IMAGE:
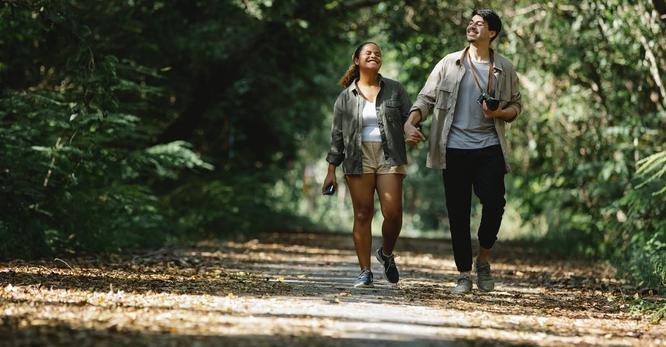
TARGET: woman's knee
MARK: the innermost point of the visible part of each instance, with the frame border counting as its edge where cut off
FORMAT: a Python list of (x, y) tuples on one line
[(364, 214), (392, 214)]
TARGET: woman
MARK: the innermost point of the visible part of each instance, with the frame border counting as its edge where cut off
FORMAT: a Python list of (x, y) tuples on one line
[(367, 138)]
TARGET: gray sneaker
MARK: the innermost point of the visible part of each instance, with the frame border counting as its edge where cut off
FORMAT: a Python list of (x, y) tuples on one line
[(463, 285), (484, 280), (390, 269), (364, 279)]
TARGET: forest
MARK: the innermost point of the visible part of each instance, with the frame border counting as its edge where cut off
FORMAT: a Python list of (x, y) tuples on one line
[(142, 123)]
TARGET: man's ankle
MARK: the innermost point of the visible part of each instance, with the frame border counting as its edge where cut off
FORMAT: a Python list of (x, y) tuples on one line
[(484, 255)]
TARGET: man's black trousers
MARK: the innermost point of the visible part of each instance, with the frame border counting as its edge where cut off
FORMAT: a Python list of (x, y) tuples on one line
[(482, 170)]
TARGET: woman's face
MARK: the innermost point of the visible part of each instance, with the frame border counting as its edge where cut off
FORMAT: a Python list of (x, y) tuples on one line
[(369, 58)]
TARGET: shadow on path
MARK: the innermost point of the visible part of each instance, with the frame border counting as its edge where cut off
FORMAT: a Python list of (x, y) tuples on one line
[(294, 289)]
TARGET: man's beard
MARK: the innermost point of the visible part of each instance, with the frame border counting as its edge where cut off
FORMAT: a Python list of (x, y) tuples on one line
[(471, 39)]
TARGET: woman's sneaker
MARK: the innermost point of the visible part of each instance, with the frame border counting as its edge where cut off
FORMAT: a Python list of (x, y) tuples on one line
[(364, 279), (390, 269), (484, 280), (463, 285)]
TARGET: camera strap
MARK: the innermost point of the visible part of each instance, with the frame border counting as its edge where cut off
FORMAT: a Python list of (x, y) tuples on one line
[(489, 88)]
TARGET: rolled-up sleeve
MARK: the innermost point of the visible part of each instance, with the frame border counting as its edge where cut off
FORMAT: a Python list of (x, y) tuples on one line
[(337, 152), (425, 101)]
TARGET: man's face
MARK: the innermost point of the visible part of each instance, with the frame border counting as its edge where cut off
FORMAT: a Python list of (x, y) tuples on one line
[(477, 30)]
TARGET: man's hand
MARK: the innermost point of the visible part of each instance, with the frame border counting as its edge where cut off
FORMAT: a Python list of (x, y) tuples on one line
[(488, 114), (506, 114), (412, 134)]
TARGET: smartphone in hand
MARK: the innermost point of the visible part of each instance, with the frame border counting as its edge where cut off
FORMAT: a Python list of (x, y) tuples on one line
[(330, 189)]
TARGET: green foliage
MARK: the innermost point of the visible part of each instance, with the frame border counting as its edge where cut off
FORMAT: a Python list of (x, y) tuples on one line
[(653, 170), (656, 310), (642, 244), (126, 124), (587, 125), (229, 206), (77, 156), (108, 110), (593, 109)]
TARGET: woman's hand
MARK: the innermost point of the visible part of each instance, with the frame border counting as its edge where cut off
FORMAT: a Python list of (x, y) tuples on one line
[(330, 179), (412, 134)]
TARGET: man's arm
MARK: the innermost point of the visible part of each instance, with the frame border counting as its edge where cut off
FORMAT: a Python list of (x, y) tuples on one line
[(516, 99), (425, 101), (512, 108), (423, 105), (507, 114)]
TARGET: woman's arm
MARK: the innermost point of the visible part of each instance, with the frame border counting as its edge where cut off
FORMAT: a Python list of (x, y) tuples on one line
[(336, 153)]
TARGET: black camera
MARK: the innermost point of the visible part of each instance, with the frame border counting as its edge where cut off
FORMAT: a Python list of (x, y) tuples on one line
[(491, 103)]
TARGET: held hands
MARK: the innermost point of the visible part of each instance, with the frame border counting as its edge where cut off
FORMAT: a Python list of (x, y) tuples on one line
[(413, 135)]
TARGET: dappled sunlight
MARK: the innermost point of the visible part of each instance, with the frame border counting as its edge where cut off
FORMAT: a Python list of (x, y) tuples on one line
[(345, 316), (229, 293), (166, 169)]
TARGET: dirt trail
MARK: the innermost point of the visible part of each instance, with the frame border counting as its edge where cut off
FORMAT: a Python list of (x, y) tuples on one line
[(292, 289)]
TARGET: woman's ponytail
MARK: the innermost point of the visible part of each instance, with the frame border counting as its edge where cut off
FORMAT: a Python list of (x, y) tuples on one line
[(349, 76)]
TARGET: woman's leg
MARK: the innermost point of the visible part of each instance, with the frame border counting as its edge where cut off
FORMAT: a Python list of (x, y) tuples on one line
[(389, 188), (362, 189)]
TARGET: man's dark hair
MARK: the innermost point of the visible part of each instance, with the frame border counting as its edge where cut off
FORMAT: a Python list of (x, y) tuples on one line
[(493, 20)]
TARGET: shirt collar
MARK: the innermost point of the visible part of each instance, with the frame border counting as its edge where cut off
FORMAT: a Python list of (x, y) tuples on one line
[(497, 65), (352, 86)]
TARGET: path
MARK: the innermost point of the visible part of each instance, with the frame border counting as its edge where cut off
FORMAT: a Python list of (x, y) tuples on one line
[(292, 289)]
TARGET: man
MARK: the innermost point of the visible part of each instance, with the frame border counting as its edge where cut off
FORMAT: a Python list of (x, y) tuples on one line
[(472, 94)]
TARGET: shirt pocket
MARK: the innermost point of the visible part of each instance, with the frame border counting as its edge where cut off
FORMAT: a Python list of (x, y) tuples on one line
[(392, 107), (444, 95)]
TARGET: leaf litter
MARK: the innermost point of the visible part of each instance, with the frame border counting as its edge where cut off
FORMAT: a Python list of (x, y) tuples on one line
[(294, 289)]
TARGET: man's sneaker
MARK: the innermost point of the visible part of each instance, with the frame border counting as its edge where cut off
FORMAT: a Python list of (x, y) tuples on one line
[(364, 279), (463, 285), (484, 280), (390, 270)]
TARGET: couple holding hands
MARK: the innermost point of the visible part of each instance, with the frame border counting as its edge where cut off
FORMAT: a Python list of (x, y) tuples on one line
[(471, 94)]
